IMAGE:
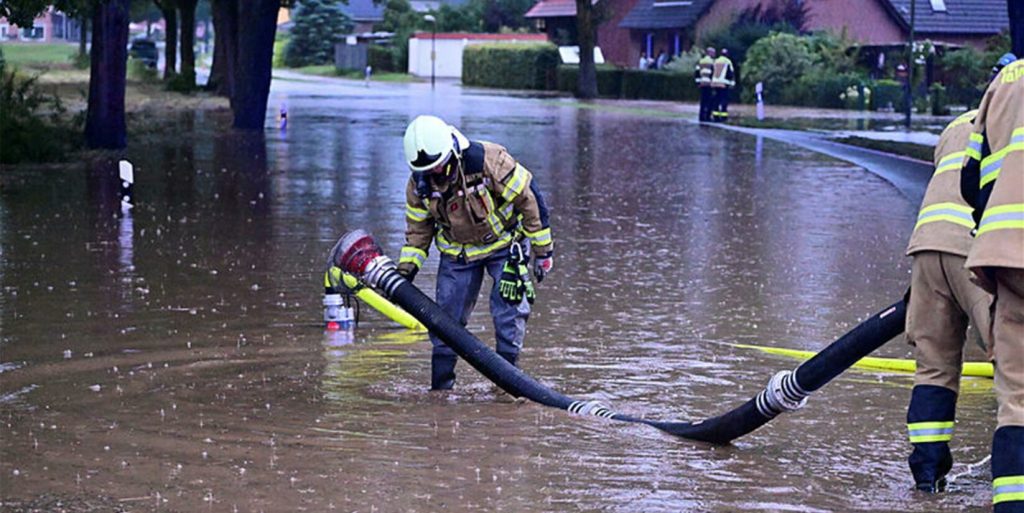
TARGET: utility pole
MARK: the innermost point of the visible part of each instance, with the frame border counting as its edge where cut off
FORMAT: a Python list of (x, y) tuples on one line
[(910, 66)]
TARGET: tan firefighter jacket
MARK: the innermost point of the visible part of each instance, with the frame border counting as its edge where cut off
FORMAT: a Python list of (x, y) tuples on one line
[(945, 222), (995, 166), (483, 210)]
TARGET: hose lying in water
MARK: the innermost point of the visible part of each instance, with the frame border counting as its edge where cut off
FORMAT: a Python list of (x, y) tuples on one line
[(357, 253)]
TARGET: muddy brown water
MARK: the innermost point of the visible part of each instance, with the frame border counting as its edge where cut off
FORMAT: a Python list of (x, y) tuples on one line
[(171, 360)]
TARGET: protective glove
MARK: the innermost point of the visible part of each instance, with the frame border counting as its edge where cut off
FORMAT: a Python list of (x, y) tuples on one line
[(510, 286), (542, 265), (408, 273), (525, 285)]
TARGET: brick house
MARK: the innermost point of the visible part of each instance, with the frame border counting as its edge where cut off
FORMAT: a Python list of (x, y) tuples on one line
[(52, 26), (635, 26)]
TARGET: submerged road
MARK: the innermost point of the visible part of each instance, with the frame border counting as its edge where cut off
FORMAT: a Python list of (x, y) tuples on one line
[(171, 360)]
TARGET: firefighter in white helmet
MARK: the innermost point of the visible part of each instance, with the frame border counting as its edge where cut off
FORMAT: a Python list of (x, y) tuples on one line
[(479, 207)]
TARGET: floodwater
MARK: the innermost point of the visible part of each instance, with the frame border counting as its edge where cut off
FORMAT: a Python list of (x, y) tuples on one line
[(172, 360)]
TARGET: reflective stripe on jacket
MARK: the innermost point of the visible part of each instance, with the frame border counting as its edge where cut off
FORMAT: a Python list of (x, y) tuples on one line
[(944, 222)]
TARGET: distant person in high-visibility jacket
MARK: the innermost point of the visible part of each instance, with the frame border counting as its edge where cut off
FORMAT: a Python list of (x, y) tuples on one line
[(722, 81), (702, 75), (992, 181)]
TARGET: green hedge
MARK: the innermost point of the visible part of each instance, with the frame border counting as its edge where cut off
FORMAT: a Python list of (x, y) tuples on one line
[(659, 85), (634, 84), (510, 65), (609, 79)]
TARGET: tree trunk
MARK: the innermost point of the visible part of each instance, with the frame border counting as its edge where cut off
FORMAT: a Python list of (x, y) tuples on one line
[(1015, 8), (257, 23), (225, 45), (83, 35), (170, 39), (104, 121), (188, 40), (586, 33)]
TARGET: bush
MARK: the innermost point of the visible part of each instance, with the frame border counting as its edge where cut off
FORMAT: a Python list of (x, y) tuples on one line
[(938, 99), (138, 70), (32, 125), (965, 74), (778, 61), (609, 79), (888, 93), (827, 90), (510, 65), (379, 58)]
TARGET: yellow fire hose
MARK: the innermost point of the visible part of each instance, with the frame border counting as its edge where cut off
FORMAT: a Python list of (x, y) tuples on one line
[(972, 369), (378, 302)]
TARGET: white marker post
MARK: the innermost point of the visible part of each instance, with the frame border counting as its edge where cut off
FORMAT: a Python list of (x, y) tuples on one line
[(759, 89), (127, 173)]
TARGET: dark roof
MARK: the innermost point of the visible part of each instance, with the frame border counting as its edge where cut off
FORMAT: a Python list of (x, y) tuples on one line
[(960, 16), (363, 10), (665, 14), (552, 9)]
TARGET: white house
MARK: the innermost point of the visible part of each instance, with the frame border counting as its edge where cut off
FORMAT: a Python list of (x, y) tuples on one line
[(449, 46)]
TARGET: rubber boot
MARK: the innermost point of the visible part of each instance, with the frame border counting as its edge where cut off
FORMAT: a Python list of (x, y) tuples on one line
[(442, 372), (930, 426), (1008, 470)]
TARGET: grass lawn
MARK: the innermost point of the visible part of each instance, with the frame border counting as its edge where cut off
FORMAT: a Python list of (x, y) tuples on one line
[(34, 54), (914, 151)]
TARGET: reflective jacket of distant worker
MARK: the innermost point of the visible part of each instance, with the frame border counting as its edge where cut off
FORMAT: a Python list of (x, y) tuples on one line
[(992, 180), (722, 73), (704, 70), (480, 212), (942, 301)]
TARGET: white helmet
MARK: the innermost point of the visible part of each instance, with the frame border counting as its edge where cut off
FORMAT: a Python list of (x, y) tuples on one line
[(430, 142)]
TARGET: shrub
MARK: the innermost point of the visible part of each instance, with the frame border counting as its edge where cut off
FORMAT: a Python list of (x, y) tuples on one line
[(827, 90), (32, 125), (379, 57), (778, 61), (609, 79), (140, 71), (939, 100), (510, 65), (888, 94), (965, 75)]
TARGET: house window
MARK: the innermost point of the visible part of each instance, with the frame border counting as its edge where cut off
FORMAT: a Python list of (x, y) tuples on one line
[(3, 32), (35, 32), (677, 44), (649, 44), (938, 5)]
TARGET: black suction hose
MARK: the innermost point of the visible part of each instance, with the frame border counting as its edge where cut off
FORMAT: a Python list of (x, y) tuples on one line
[(357, 254)]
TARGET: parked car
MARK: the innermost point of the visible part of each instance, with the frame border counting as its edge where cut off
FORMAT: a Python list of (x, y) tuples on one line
[(145, 51)]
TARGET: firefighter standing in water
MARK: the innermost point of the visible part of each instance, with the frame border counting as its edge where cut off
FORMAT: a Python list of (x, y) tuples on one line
[(992, 181), (942, 301), (702, 75), (722, 81), (475, 202)]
